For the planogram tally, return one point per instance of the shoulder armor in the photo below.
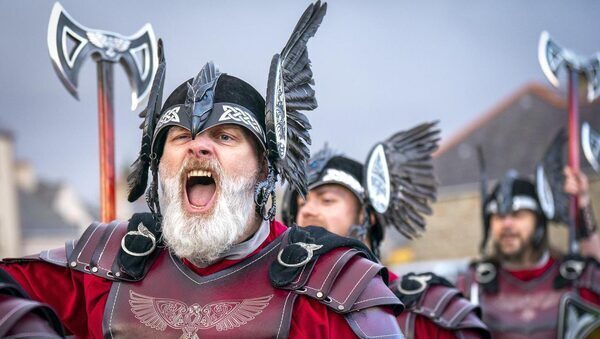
(339, 272)
(435, 298)
(344, 281)
(99, 250)
(349, 284)
(94, 252)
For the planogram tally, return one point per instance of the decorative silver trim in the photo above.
(543, 59)
(378, 180)
(421, 279)
(571, 269)
(144, 70)
(335, 175)
(309, 248)
(143, 231)
(544, 192)
(71, 57)
(485, 272)
(519, 202)
(589, 139)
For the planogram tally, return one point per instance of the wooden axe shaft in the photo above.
(106, 141)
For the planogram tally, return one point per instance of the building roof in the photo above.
(513, 135)
(38, 217)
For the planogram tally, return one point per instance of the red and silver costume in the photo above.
(340, 294)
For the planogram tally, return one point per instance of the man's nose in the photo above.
(202, 146)
(309, 209)
(507, 220)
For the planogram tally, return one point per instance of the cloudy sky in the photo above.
(380, 66)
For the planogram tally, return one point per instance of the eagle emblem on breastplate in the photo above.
(158, 313)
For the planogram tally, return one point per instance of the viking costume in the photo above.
(119, 280)
(559, 296)
(396, 185)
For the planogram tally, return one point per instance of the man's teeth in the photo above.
(198, 173)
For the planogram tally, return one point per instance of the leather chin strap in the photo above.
(361, 232)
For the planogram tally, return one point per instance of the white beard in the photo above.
(203, 238)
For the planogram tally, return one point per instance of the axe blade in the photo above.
(61, 29)
(140, 63)
(592, 74)
(551, 57)
(137, 53)
(590, 142)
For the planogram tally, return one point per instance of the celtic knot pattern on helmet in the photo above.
(238, 114)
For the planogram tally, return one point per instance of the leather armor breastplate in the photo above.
(174, 302)
(523, 309)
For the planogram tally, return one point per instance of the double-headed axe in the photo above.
(138, 55)
(552, 57)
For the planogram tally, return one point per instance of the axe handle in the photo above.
(573, 96)
(106, 140)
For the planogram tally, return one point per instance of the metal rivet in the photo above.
(73, 264)
(341, 307)
(118, 274)
(94, 269)
(319, 294)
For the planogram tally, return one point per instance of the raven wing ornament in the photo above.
(290, 91)
(138, 178)
(399, 178)
(550, 180)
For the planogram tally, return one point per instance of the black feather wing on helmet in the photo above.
(138, 178)
(290, 91)
(550, 180)
(399, 178)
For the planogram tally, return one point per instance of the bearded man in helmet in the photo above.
(527, 289)
(209, 260)
(391, 191)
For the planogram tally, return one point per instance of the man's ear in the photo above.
(372, 218)
(361, 216)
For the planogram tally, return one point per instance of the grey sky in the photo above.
(380, 66)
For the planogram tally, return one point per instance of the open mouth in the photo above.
(200, 190)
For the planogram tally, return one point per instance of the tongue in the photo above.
(200, 195)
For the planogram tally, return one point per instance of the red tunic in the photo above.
(80, 299)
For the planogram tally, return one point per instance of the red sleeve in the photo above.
(311, 319)
(73, 295)
(590, 296)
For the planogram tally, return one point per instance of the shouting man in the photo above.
(208, 261)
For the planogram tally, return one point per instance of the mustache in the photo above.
(507, 234)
